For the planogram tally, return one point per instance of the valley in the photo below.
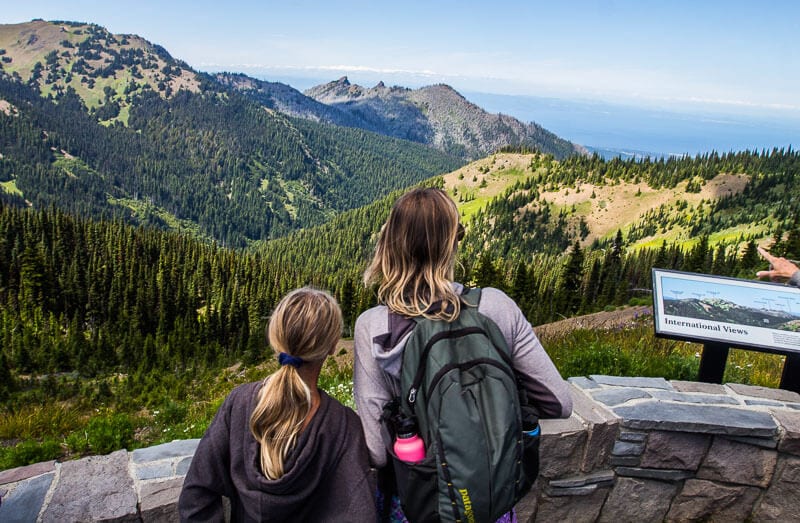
(151, 216)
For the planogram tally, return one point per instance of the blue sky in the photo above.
(730, 55)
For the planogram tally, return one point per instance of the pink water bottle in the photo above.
(408, 446)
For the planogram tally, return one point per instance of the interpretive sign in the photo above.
(724, 312)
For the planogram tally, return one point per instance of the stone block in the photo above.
(656, 474)
(575, 509)
(18, 474)
(598, 446)
(709, 419)
(602, 426)
(674, 450)
(619, 395)
(183, 466)
(584, 490)
(588, 410)
(603, 479)
(764, 392)
(763, 403)
(158, 500)
(159, 469)
(626, 448)
(97, 488)
(684, 397)
(698, 386)
(767, 443)
(24, 500)
(173, 449)
(562, 446)
(526, 507)
(637, 500)
(734, 462)
(583, 382)
(790, 437)
(625, 461)
(701, 500)
(642, 383)
(633, 437)
(781, 501)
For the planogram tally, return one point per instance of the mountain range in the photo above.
(113, 126)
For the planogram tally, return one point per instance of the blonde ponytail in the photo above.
(306, 325)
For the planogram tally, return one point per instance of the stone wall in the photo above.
(635, 449)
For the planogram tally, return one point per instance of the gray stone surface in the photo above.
(583, 382)
(790, 437)
(159, 469)
(658, 474)
(626, 448)
(561, 448)
(763, 403)
(604, 478)
(698, 386)
(645, 383)
(764, 392)
(24, 502)
(572, 509)
(618, 396)
(781, 502)
(173, 449)
(702, 500)
(598, 446)
(767, 443)
(588, 410)
(526, 507)
(584, 490)
(633, 437)
(183, 466)
(684, 397)
(625, 461)
(635, 500)
(602, 426)
(710, 419)
(28, 471)
(674, 450)
(159, 500)
(734, 462)
(93, 489)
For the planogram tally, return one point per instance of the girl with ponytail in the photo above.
(282, 449)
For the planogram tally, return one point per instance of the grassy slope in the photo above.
(612, 207)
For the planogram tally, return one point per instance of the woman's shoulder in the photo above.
(376, 318)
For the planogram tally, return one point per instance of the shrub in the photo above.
(29, 452)
(107, 433)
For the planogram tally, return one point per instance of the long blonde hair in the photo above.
(306, 324)
(415, 256)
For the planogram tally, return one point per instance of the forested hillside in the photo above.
(142, 324)
(112, 141)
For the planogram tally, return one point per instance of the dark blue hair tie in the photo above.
(288, 359)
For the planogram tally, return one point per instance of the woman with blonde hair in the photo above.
(282, 449)
(413, 267)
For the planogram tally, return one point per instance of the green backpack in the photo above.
(459, 385)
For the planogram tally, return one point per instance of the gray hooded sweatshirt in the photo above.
(376, 373)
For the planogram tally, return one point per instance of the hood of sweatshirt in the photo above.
(318, 450)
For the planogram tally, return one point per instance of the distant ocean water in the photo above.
(613, 129)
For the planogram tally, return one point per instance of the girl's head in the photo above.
(306, 324)
(415, 255)
(303, 330)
